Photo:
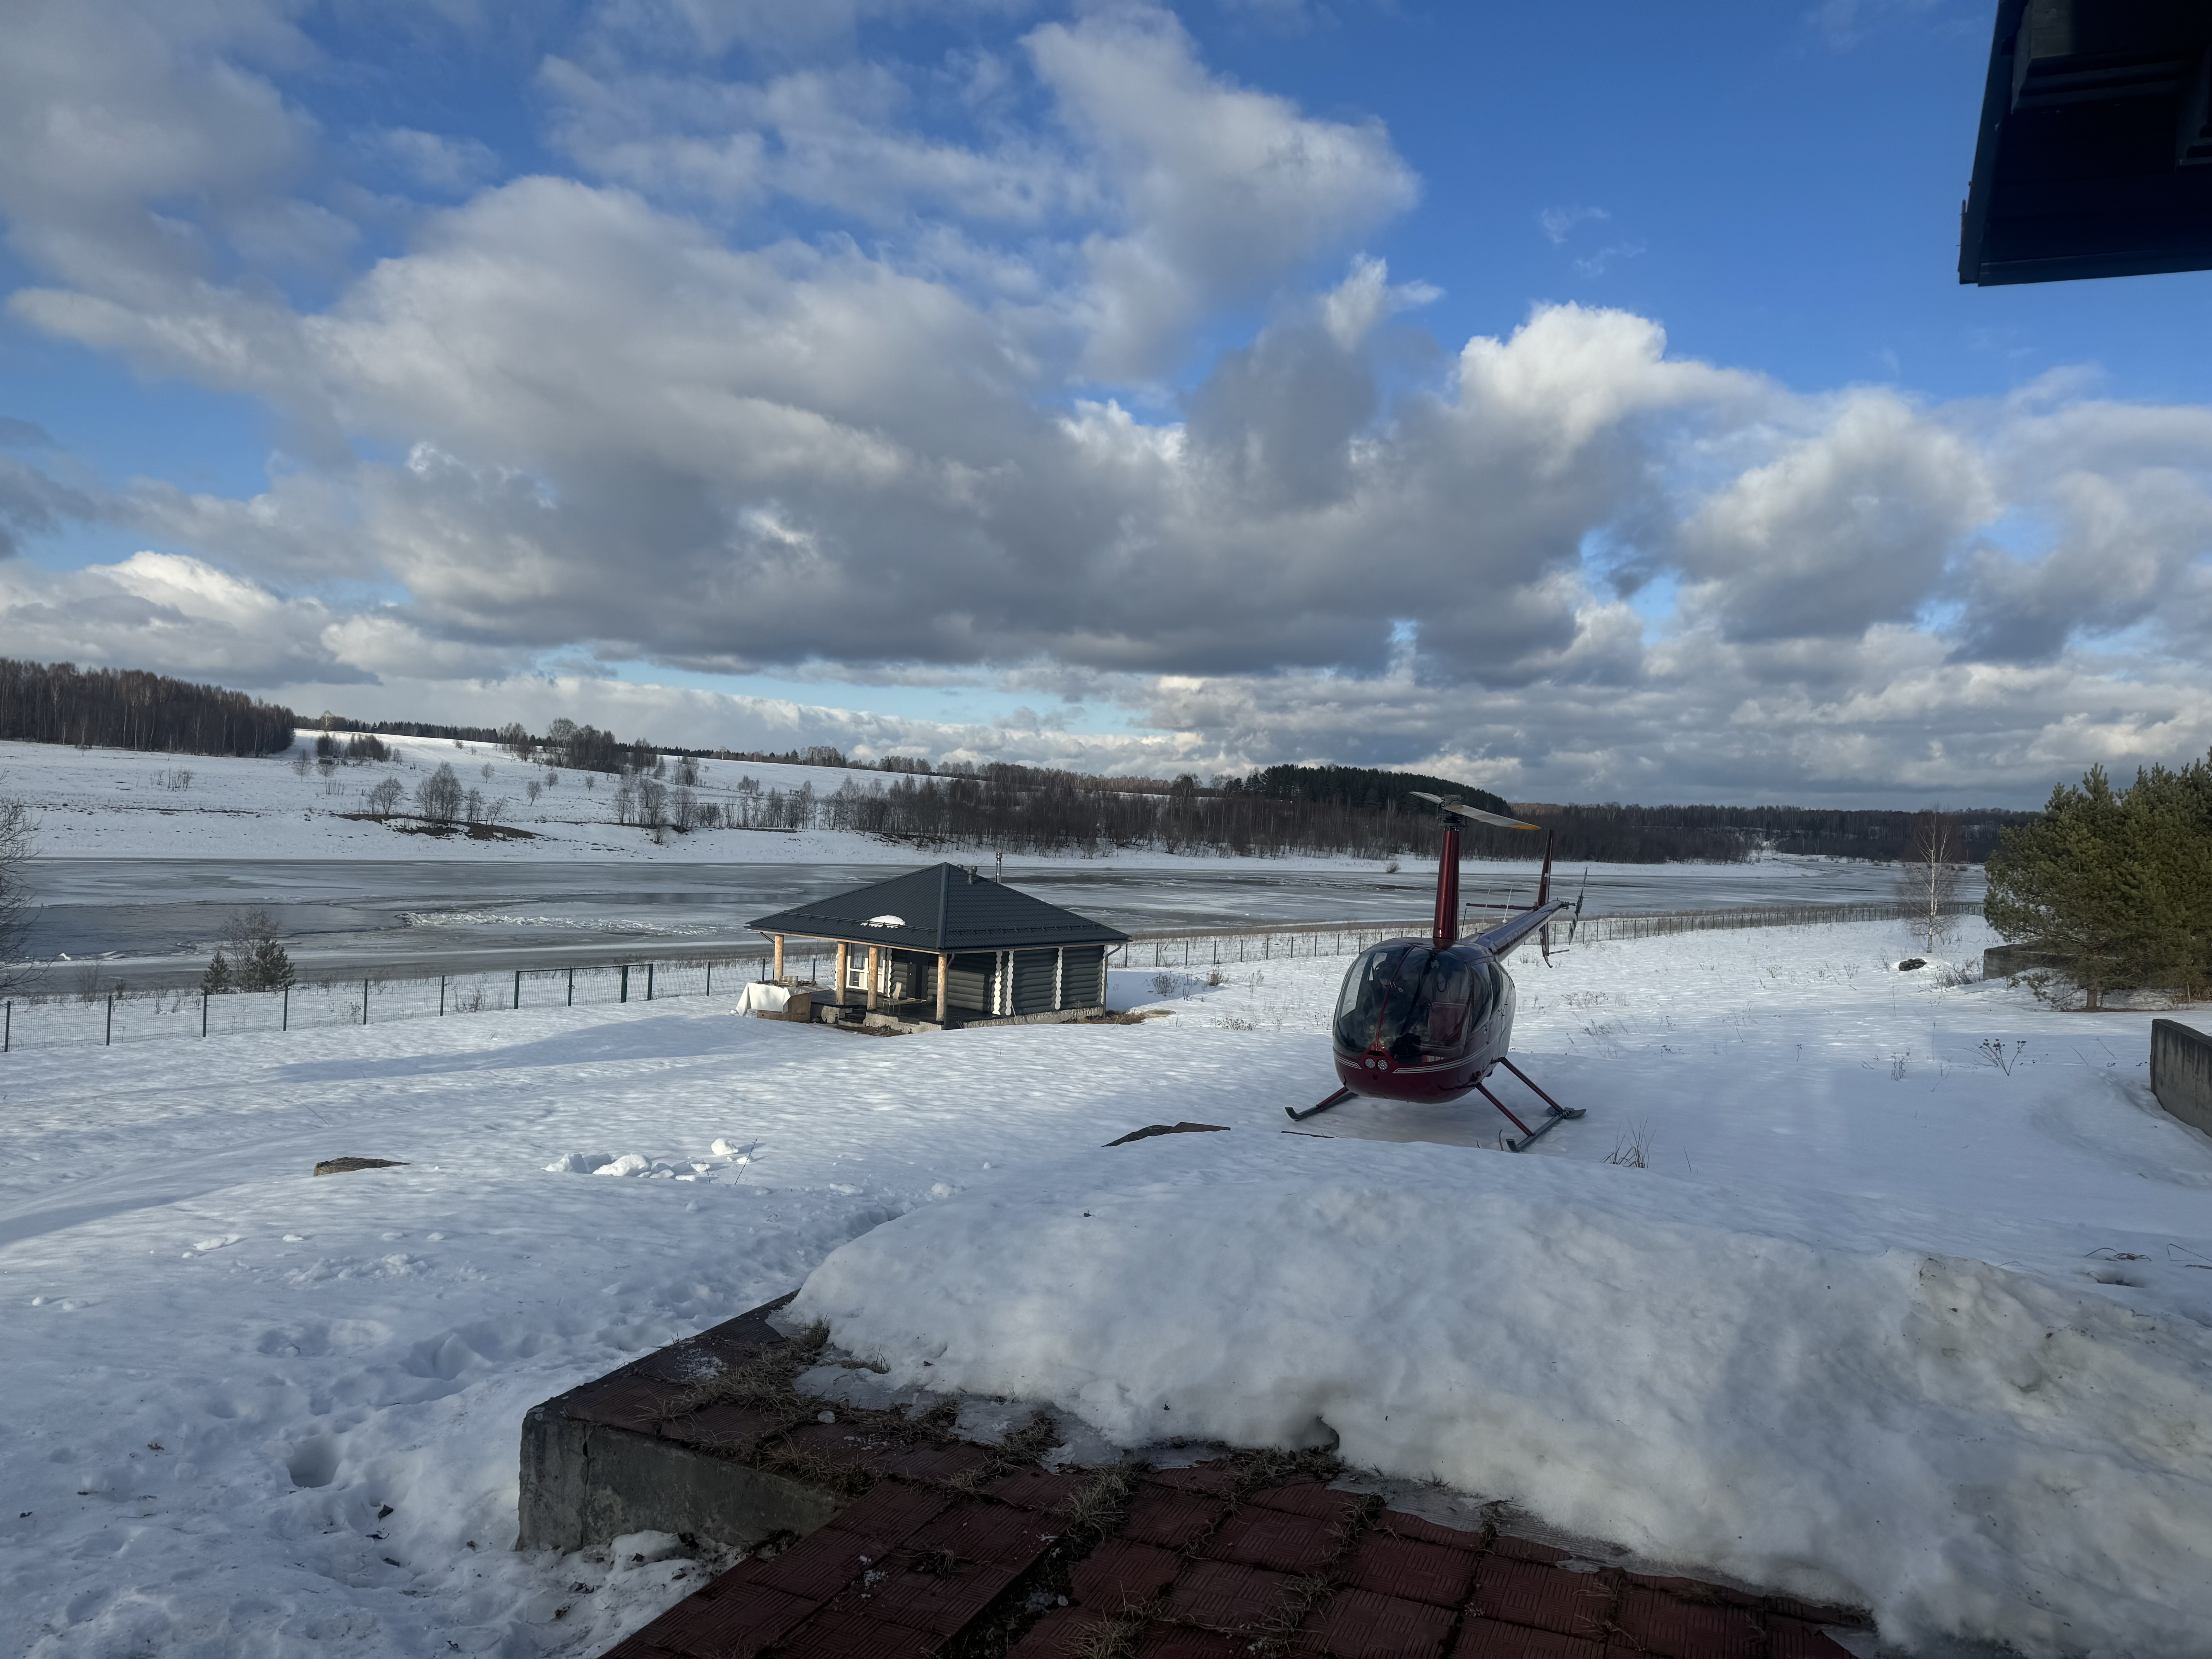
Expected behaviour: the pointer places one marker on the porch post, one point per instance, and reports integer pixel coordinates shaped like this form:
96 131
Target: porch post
842 948
944 971
779 956
1059 979
872 959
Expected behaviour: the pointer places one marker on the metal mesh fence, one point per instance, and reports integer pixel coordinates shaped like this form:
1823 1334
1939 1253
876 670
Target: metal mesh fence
104 1018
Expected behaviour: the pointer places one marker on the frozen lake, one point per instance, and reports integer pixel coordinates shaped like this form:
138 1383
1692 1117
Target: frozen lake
390 915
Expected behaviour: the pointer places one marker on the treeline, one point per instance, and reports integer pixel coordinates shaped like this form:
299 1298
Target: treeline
1614 834
1033 811
128 709
330 722
2112 888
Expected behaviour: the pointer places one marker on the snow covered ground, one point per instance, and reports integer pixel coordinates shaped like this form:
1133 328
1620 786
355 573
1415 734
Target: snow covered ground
221 1373
113 803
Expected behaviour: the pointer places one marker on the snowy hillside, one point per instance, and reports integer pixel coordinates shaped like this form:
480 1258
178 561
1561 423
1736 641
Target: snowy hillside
250 1412
114 803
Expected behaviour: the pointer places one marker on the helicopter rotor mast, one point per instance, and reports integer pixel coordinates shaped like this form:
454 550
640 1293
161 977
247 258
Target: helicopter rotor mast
1445 931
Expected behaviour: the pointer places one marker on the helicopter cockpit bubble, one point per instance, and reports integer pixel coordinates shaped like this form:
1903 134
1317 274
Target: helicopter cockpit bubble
1419 1005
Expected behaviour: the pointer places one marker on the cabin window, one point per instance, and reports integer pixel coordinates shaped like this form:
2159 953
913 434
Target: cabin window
1411 1002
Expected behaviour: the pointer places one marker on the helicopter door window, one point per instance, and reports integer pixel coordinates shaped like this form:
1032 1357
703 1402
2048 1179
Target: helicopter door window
1362 1010
1443 1008
1395 1032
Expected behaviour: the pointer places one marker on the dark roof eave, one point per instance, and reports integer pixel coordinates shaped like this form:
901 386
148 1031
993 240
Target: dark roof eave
907 939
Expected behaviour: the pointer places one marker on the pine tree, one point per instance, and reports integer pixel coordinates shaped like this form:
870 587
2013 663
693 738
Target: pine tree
268 968
2114 887
215 981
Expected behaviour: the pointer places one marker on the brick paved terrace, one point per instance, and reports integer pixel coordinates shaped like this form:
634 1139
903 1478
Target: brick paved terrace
918 1542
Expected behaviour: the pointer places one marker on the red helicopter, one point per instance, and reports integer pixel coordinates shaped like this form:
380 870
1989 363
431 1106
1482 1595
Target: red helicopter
1430 1020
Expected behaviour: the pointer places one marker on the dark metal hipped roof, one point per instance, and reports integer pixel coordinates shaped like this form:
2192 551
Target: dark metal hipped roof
944 908
2094 157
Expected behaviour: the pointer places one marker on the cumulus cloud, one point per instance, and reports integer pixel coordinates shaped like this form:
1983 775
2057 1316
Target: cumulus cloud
1220 190
164 611
107 107
870 371
1851 525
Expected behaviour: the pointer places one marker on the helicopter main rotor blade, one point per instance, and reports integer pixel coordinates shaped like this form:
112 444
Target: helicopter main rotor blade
1481 817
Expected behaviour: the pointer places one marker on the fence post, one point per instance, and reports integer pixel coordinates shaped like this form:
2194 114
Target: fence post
624 997
648 981
518 988
364 999
284 1012
710 975
111 1019
442 996
8 1032
572 988
203 997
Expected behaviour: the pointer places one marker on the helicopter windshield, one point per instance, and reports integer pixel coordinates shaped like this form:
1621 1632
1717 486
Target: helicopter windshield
1411 1002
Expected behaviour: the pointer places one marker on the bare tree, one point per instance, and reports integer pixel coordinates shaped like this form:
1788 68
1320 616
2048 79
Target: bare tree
1929 873
384 799
438 797
533 789
258 961
18 846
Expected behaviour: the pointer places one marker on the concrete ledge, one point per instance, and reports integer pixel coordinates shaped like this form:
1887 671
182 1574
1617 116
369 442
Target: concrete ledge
585 1483
608 1457
2181 1072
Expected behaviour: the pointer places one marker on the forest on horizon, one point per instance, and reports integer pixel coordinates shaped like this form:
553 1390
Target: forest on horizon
1275 811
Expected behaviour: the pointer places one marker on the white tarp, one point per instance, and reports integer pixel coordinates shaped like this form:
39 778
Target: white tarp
762 998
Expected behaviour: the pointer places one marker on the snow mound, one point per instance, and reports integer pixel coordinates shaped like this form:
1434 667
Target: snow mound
1734 1383
580 1163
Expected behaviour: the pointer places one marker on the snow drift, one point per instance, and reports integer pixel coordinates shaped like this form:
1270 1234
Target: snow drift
1740 1384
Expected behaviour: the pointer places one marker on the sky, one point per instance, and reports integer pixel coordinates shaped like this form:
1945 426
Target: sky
1578 400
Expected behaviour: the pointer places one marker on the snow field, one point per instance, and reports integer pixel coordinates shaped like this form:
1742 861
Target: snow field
308 1352
114 803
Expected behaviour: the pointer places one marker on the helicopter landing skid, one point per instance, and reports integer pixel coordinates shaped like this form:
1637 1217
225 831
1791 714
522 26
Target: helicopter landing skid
1554 1114
1336 1099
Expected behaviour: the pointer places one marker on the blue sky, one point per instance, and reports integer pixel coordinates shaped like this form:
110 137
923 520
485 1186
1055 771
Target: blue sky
1580 398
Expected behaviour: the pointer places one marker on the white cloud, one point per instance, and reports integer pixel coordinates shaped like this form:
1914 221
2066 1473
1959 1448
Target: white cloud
1558 223
1221 191
446 166
639 415
163 612
1852 525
